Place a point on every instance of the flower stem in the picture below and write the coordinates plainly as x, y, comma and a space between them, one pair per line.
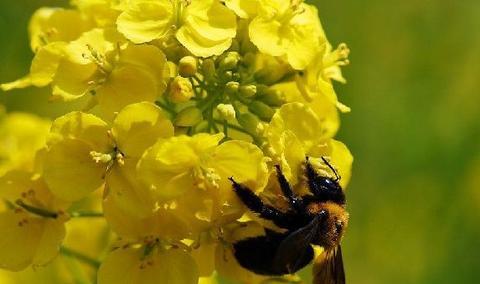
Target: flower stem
80, 257
85, 214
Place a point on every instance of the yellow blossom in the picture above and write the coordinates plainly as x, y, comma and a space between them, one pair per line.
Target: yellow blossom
96, 153
131, 266
32, 224
284, 29
204, 27
21, 136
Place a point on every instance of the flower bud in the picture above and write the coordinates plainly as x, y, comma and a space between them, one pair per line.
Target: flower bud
273, 97
189, 116
263, 111
230, 60
248, 90
249, 122
208, 69
180, 90
226, 111
232, 87
187, 67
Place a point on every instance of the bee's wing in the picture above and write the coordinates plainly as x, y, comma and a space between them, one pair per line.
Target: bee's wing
292, 249
328, 268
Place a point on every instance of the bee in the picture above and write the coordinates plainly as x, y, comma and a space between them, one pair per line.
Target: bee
318, 218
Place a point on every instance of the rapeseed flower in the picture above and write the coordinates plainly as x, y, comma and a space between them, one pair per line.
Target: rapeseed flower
182, 95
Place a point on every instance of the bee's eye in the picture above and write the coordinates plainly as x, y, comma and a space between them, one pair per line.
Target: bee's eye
339, 226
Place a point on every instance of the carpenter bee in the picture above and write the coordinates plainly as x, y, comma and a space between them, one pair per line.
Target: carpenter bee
318, 218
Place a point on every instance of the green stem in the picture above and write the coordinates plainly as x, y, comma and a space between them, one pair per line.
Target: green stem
80, 257
166, 108
85, 214
37, 211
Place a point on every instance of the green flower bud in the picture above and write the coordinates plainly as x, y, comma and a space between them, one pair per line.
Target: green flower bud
187, 67
208, 69
226, 111
249, 122
230, 60
202, 126
228, 75
273, 97
248, 90
180, 90
262, 110
189, 116
232, 87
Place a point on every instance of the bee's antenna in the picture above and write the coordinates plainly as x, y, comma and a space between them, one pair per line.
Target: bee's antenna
330, 166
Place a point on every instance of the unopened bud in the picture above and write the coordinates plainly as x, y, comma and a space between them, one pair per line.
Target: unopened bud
189, 116
262, 110
180, 90
248, 90
187, 67
228, 75
273, 97
208, 68
226, 111
232, 87
249, 122
230, 60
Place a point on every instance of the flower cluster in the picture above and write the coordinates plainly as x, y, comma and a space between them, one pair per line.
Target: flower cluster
179, 96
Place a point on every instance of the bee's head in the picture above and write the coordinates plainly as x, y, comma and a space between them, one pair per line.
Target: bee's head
334, 223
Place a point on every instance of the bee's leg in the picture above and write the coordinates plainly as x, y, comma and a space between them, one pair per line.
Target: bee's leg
311, 177
255, 204
295, 201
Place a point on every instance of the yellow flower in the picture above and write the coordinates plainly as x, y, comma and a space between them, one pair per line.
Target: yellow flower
49, 25
284, 28
21, 136
131, 266
181, 90
32, 225
103, 12
189, 169
101, 64
318, 76
204, 27
83, 152
290, 141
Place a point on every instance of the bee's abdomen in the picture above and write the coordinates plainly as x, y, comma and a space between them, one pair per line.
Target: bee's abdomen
258, 254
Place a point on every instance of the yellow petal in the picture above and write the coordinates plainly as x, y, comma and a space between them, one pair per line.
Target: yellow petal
34, 242
72, 80
265, 34
21, 136
126, 85
126, 192
241, 160
146, 20
211, 20
82, 126
125, 266
300, 120
199, 45
54, 24
70, 171
149, 58
167, 167
164, 222
243, 8
138, 126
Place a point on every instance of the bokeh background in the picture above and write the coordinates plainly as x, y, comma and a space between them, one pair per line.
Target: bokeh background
414, 88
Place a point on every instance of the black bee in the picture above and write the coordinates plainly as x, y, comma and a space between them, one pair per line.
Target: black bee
319, 219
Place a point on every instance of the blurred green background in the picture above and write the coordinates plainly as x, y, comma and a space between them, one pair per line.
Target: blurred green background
414, 88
